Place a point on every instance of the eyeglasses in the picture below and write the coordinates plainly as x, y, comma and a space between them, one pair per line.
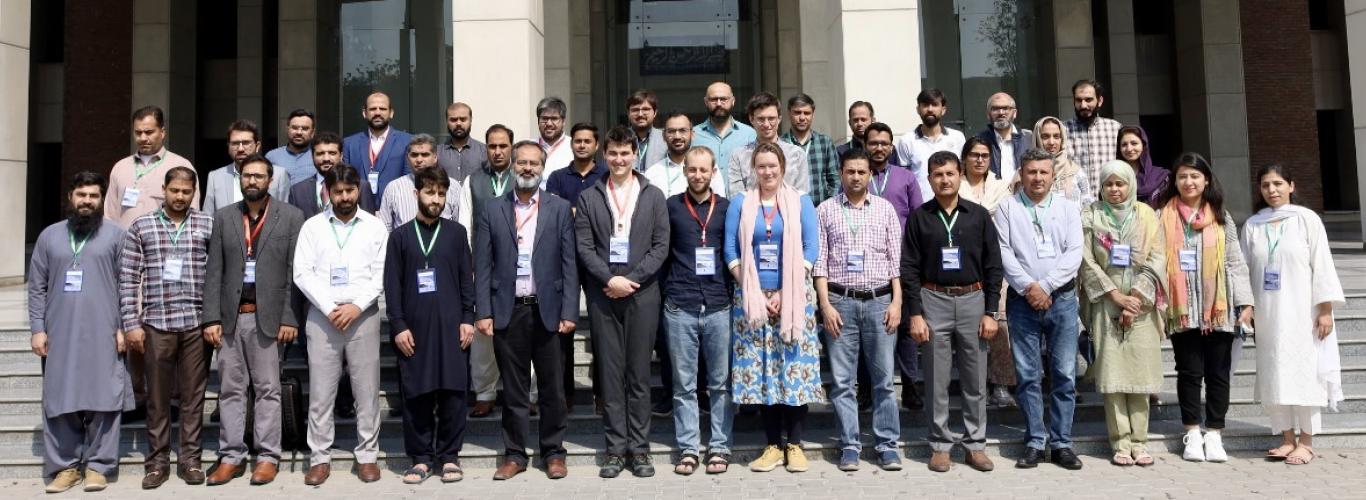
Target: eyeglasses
979, 156
550, 119
1002, 109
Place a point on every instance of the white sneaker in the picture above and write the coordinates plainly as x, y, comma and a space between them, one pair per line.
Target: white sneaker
1214, 448
1195, 446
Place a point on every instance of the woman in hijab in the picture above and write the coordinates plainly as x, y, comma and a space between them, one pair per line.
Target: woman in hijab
1068, 181
1123, 274
1132, 147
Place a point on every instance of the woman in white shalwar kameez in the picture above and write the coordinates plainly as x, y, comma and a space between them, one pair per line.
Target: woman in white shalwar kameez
1295, 287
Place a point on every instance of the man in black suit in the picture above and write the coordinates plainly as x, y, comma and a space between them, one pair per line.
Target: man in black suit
526, 294
247, 292
310, 195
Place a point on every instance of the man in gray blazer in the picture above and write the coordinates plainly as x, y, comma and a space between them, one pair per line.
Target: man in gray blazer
222, 188
247, 297
526, 289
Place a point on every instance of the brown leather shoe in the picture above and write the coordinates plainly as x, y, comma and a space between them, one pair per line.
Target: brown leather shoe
192, 474
939, 461
979, 460
555, 468
482, 409
508, 470
263, 473
224, 472
368, 473
318, 474
155, 478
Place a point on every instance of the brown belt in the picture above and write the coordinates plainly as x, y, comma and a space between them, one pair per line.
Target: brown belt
955, 290
246, 308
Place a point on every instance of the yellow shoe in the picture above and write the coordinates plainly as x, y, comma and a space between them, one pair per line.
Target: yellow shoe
95, 481
796, 459
769, 460
63, 481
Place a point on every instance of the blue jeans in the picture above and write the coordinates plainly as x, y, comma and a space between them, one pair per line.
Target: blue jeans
1030, 331
690, 332
863, 330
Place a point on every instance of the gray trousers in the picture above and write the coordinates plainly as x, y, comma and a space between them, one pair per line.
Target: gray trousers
954, 341
248, 357
90, 437
329, 350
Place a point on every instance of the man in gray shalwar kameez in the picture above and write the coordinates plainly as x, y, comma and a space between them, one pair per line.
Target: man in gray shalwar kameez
74, 316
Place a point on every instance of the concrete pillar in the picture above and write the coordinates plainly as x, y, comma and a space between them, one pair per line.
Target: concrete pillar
580, 61
250, 61
840, 40
1209, 59
1123, 95
504, 44
789, 54
164, 67
559, 74
14, 74
298, 62
1356, 61
1074, 50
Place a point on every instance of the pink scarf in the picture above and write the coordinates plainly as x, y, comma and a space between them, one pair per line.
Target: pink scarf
792, 267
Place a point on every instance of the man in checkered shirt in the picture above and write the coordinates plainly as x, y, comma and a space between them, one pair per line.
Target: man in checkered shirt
1091, 138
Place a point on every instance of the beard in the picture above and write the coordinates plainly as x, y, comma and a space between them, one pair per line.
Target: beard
379, 123
430, 210
345, 208
253, 194
720, 113
1086, 115
84, 224
528, 184
1001, 124
459, 133
930, 120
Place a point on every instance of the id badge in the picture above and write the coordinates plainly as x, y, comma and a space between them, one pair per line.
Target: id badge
855, 264
249, 272
768, 256
619, 251
706, 261
524, 263
340, 275
1271, 279
426, 280
1188, 263
373, 177
1119, 255
74, 279
1045, 246
952, 259
171, 269
130, 197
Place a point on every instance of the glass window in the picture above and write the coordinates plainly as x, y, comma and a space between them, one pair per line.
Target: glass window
401, 48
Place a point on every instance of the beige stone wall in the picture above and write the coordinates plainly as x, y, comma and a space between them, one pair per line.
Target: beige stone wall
14, 75
1356, 57
507, 41
835, 60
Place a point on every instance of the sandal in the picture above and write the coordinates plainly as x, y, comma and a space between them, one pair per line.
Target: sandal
687, 465
421, 471
1121, 459
1293, 459
1276, 454
718, 463
1142, 458
451, 473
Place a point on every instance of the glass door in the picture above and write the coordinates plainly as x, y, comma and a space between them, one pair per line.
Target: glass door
401, 48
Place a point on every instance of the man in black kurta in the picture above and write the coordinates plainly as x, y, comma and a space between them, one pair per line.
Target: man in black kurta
429, 289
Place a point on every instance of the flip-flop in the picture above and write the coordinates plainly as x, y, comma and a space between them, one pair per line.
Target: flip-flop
421, 473
449, 469
1143, 459
1121, 459
1271, 453
1294, 460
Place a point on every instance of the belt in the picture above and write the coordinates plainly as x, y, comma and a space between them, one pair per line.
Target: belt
246, 308
1067, 287
859, 293
954, 290
529, 300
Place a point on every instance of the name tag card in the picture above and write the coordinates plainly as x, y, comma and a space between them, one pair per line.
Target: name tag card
706, 261
952, 259
171, 269
130, 197
249, 272
1188, 261
340, 276
426, 280
855, 263
1047, 249
619, 251
374, 182
524, 263
768, 256
1119, 255
1271, 279
75, 278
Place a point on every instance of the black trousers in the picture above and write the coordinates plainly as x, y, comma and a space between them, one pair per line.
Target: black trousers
623, 335
1203, 357
524, 343
434, 427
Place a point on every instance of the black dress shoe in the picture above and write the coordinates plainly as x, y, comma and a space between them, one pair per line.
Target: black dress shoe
1030, 459
642, 466
611, 467
1066, 459
910, 399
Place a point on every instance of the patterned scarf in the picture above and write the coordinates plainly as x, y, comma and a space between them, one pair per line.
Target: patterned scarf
1213, 279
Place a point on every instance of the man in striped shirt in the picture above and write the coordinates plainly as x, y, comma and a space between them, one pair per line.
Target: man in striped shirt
859, 292
399, 204
163, 261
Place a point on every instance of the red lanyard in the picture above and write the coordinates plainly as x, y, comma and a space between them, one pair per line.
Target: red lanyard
521, 222
253, 232
769, 216
621, 207
687, 199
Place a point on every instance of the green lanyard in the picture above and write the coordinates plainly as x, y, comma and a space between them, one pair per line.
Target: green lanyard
949, 223
1186, 226
138, 172
426, 247
76, 249
1119, 225
886, 174
1273, 244
1034, 209
174, 236
672, 177
341, 243
644, 148
849, 221
499, 187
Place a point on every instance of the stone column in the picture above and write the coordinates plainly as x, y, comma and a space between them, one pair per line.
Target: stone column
164, 67
838, 39
1212, 95
559, 73
1356, 60
14, 74
1123, 85
499, 58
250, 62
298, 62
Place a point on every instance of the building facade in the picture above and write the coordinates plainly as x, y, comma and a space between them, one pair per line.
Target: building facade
1246, 83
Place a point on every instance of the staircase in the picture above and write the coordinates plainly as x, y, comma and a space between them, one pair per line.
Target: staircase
21, 439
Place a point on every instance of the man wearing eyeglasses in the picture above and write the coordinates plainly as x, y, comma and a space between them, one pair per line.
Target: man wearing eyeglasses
550, 116
765, 116
244, 140
1006, 141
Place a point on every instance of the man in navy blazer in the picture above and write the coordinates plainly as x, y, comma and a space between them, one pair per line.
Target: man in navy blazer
379, 151
310, 195
526, 288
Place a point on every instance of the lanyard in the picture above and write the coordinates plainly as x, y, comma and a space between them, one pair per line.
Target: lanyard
521, 221
1195, 214
886, 175
1119, 225
672, 176
621, 207
1034, 209
1273, 244
174, 236
426, 247
644, 148
138, 172
341, 243
687, 200
76, 249
849, 221
251, 232
769, 215
948, 223
374, 155
499, 187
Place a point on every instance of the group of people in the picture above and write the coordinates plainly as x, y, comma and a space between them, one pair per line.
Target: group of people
736, 255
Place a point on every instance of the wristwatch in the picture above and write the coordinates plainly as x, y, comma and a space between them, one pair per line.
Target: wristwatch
998, 316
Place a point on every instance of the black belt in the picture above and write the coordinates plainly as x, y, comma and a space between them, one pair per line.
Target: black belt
859, 293
529, 300
1066, 287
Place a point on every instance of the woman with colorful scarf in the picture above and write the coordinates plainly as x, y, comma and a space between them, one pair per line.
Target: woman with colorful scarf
1068, 180
1207, 285
1295, 288
1123, 275
772, 242
1132, 147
